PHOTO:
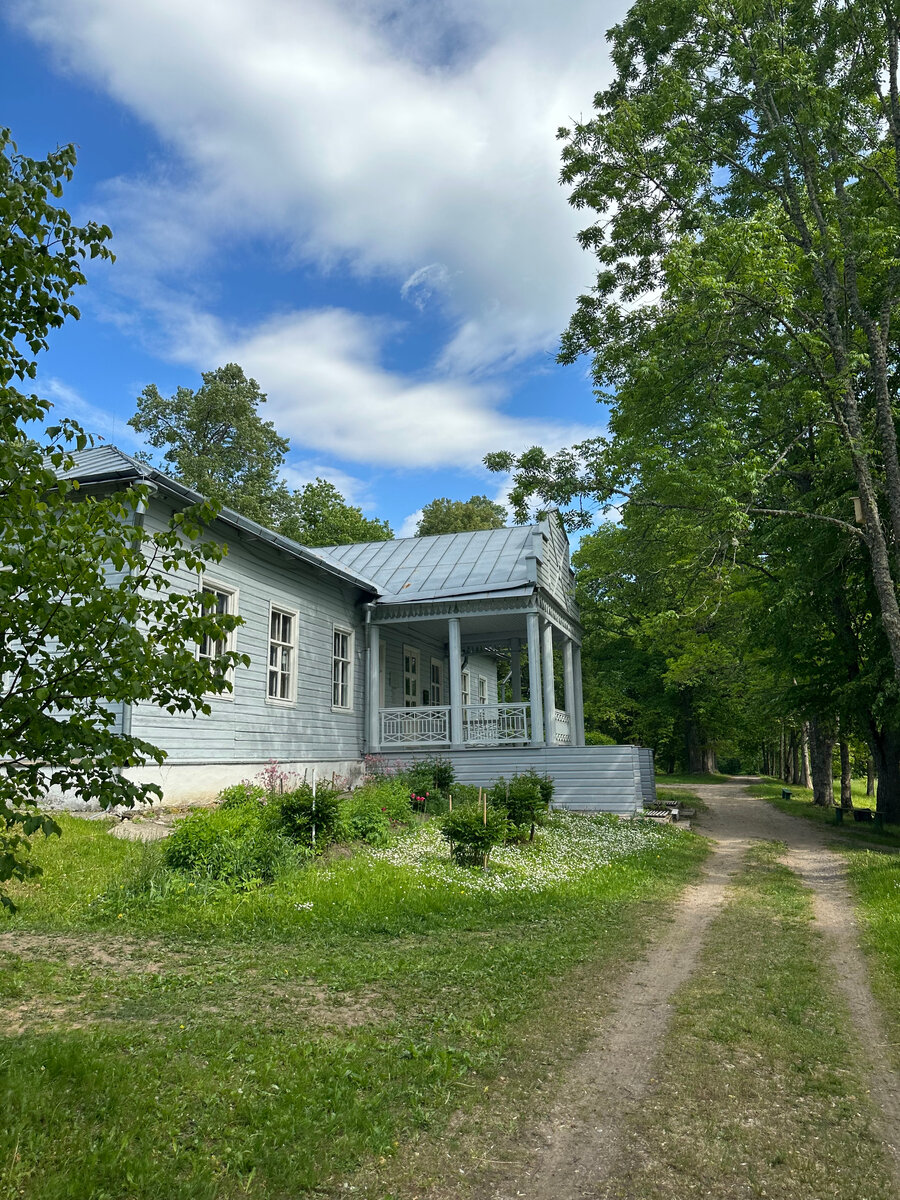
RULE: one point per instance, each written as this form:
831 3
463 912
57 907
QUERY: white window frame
482 689
382 673
349 660
208 584
466 687
436 663
285 611
411 652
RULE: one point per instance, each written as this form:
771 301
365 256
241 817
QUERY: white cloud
328 391
67 402
410 525
386 135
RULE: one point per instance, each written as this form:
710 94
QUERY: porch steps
617 779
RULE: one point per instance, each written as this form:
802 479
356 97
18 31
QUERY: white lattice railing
415 726
495 724
563 726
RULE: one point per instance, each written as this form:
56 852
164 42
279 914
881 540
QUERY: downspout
369 606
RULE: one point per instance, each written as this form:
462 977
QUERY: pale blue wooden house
400 648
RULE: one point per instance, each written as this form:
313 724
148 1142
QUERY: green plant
473 833
377 811
241 793
526 799
239 845
307 820
464 794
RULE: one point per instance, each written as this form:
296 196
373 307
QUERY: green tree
217 443
88 618
318 515
460 516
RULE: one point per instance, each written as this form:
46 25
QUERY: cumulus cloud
330 392
378 134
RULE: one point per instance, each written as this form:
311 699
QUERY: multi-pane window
437 682
466 688
482 689
410 677
342 673
282 641
224 603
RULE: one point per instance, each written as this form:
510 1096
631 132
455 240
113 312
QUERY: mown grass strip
801 805
875 879
237 1045
760 1091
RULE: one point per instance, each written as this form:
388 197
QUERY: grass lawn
875 878
164 1038
759 1094
801 805
662 779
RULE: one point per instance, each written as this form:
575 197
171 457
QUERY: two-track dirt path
580 1142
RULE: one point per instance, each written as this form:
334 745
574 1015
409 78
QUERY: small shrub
526 799
238 845
430 775
241 793
593 738
473 834
296 813
376 812
464 794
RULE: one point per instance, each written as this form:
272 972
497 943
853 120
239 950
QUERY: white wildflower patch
570 845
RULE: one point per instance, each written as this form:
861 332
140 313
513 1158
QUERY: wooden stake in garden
314 810
450 798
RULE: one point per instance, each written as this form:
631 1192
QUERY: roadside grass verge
875 878
683 796
664 779
198 1042
759 1092
801 805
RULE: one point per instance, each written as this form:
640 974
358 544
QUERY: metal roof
107 464
446 565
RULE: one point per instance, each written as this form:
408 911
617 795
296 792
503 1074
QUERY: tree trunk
870 777
795 758
846 792
821 746
806 769
701 758
886 752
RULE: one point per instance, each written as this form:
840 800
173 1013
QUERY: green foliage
239 845
318 515
216 442
298 813
91 612
376 812
464 794
430 775
526 798
241 793
593 737
460 516
473 833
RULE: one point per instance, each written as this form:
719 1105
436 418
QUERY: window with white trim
342 669
282 655
482 689
437 682
224 604
466 688
410 677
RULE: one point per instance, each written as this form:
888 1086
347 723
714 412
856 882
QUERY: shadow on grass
801 805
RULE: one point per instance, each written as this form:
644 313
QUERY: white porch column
534 678
373 691
578 728
455 654
569 689
547 677
515 668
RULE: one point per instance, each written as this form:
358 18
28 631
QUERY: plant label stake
314 810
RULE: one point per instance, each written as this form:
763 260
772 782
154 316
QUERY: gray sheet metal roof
107 464
457 564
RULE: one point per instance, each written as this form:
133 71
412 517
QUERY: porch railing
416 726
495 724
563 725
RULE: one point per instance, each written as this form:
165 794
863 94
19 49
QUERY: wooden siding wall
395 637
648 776
247 727
587 778
554 568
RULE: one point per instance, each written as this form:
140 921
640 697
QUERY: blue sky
357 201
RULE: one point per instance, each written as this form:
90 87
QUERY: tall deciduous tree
87 617
460 516
217 443
318 515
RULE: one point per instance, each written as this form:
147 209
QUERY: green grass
801 805
196 1042
759 1091
663 778
875 878
683 797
